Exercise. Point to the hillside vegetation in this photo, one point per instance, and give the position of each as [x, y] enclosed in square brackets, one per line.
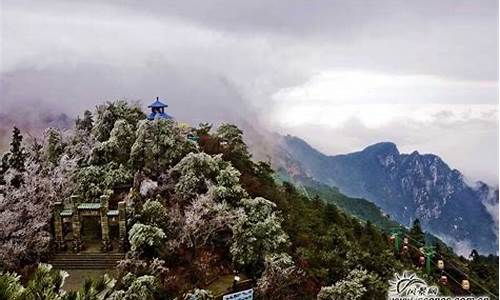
[198, 209]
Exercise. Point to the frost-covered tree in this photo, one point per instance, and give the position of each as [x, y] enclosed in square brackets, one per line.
[60, 178]
[79, 145]
[281, 279]
[154, 213]
[197, 172]
[350, 288]
[198, 294]
[160, 144]
[17, 158]
[137, 288]
[232, 136]
[92, 181]
[107, 114]
[359, 284]
[117, 147]
[17, 154]
[206, 219]
[34, 152]
[86, 123]
[145, 239]
[257, 233]
[133, 267]
[203, 129]
[142, 288]
[4, 167]
[53, 146]
[26, 211]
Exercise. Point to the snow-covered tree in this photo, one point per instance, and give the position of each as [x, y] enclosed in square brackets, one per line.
[17, 158]
[92, 181]
[233, 136]
[160, 143]
[4, 167]
[117, 147]
[203, 129]
[145, 239]
[107, 114]
[197, 172]
[198, 294]
[281, 279]
[17, 152]
[79, 145]
[53, 146]
[359, 284]
[257, 233]
[86, 123]
[154, 213]
[206, 219]
[142, 288]
[235, 148]
[138, 288]
[26, 212]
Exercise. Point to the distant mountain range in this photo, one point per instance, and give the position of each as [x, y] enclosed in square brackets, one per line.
[406, 186]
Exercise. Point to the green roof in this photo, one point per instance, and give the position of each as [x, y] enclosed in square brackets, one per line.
[112, 213]
[89, 206]
[66, 213]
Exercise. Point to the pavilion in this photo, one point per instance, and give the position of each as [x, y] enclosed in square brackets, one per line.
[158, 110]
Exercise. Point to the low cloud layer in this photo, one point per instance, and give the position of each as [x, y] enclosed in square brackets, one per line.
[341, 74]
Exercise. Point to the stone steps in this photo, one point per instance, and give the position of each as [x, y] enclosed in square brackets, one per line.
[68, 261]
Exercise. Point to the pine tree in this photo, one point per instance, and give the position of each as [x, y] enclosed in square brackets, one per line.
[53, 147]
[86, 123]
[416, 234]
[4, 166]
[17, 157]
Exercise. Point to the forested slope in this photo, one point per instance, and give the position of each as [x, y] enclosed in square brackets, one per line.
[198, 208]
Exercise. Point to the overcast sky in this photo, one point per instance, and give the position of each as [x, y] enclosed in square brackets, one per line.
[340, 74]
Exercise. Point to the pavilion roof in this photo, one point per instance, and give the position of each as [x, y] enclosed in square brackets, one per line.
[157, 104]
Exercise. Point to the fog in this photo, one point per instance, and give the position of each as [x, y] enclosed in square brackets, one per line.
[340, 74]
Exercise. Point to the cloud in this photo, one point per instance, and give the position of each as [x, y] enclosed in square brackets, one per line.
[332, 97]
[342, 111]
[469, 145]
[490, 202]
[462, 247]
[342, 74]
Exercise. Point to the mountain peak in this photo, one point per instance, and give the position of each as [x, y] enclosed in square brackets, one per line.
[408, 186]
[382, 148]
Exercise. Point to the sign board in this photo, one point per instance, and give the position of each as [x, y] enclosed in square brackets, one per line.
[243, 295]
[90, 213]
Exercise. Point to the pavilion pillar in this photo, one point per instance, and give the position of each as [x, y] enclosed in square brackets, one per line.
[58, 227]
[122, 226]
[106, 245]
[76, 228]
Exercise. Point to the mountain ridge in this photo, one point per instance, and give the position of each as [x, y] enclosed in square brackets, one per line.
[404, 185]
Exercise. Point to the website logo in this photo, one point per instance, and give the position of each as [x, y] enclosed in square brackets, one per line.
[411, 287]
[408, 286]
